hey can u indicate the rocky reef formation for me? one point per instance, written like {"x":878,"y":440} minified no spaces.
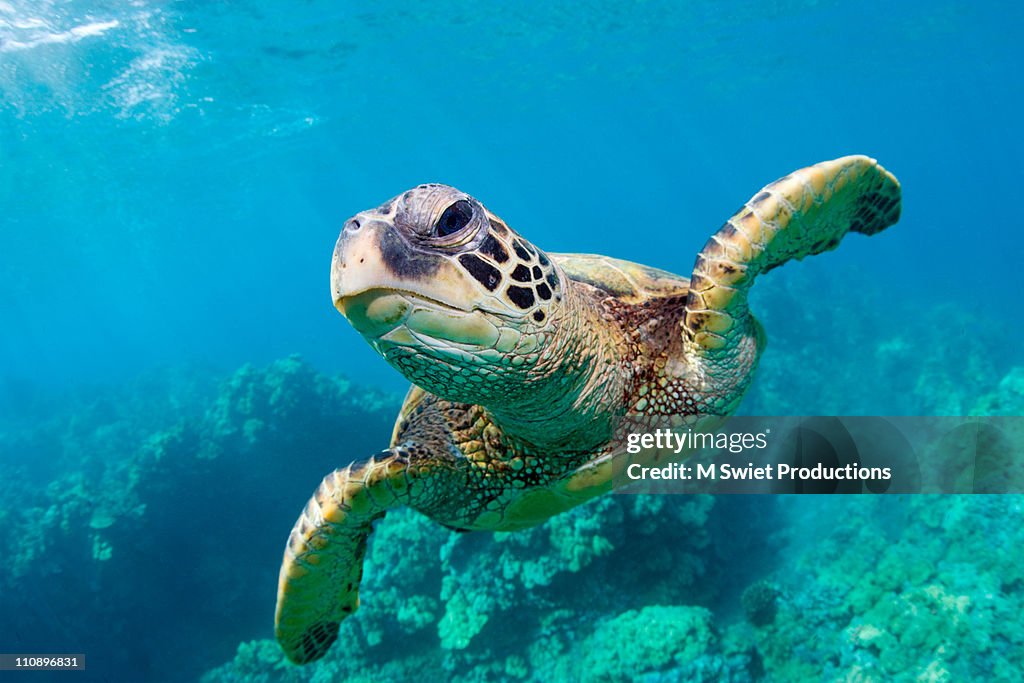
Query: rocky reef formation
{"x":858,"y":589}
{"x":919,"y":589}
{"x":141,"y":524}
{"x":600,"y":593}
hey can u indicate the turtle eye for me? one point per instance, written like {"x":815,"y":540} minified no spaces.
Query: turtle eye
{"x":455,"y":218}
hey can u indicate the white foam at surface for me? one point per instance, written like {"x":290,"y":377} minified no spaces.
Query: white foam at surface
{"x":143,"y":67}
{"x":24,"y":32}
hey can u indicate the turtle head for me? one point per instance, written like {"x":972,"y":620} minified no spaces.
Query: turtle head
{"x":446,"y":292}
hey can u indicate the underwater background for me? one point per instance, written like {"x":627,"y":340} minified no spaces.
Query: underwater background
{"x":174,"y":381}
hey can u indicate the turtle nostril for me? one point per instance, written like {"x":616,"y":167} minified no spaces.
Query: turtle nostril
{"x":353,"y":224}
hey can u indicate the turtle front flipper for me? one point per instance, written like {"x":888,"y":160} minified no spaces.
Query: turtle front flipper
{"x":804,"y":213}
{"x":323,"y":561}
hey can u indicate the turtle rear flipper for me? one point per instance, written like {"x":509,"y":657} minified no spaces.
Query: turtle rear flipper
{"x":323,"y":561}
{"x":804,"y":213}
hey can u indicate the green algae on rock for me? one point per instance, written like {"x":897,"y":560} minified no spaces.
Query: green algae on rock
{"x":646,"y":640}
{"x":916,"y":589}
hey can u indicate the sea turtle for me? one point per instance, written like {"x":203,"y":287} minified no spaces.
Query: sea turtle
{"x":522,"y":362}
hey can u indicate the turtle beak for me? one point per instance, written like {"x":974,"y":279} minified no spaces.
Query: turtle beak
{"x":373,"y":259}
{"x":356,"y":266}
{"x":359,"y":280}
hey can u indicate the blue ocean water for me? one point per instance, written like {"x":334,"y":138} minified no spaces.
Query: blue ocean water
{"x":173,"y":176}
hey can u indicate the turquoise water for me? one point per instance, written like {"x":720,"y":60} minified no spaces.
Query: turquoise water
{"x":173,"y":177}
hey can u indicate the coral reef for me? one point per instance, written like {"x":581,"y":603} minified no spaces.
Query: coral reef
{"x":916,"y":589}
{"x":163,"y":500}
{"x":867,"y":589}
{"x":475,"y":606}
{"x":649,"y":640}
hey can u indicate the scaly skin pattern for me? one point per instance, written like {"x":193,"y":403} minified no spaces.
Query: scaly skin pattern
{"x":525,"y":364}
{"x":802,"y":214}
